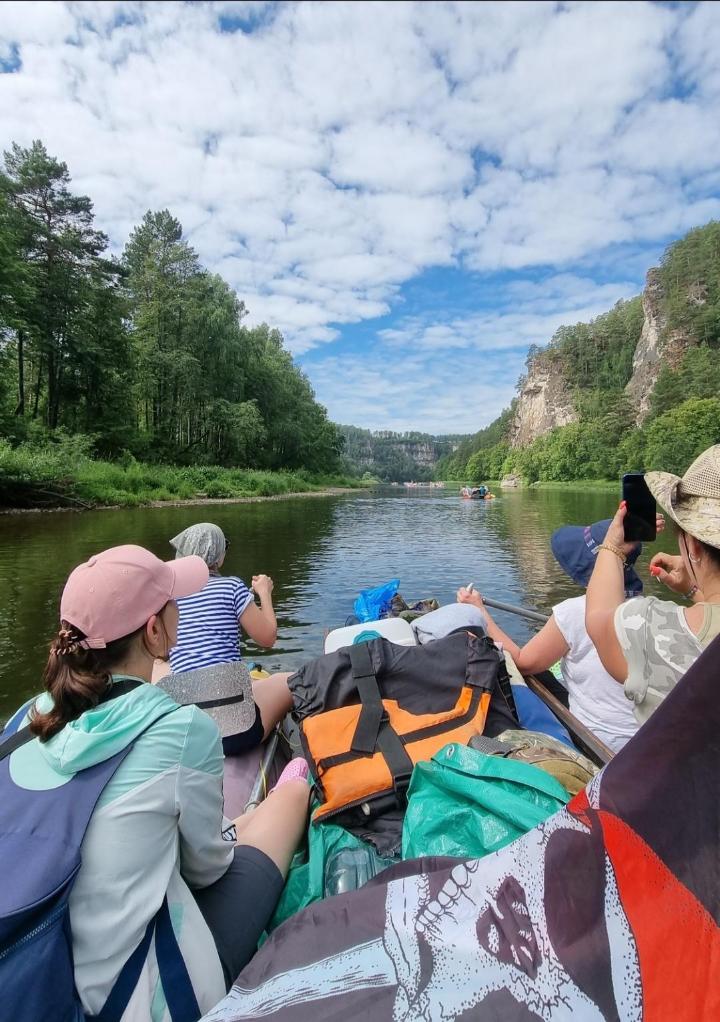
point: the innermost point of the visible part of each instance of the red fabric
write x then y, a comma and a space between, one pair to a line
675, 935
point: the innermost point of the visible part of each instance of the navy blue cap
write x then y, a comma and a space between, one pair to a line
575, 548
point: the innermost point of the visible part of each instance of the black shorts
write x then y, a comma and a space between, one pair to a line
246, 741
238, 907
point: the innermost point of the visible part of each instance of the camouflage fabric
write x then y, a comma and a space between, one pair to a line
659, 648
411, 611
693, 500
566, 765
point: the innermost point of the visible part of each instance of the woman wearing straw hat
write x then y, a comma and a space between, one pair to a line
648, 644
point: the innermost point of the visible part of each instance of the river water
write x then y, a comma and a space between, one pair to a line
320, 552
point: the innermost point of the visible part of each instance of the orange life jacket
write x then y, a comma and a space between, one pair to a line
365, 752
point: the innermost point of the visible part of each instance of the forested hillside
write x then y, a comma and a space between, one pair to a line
599, 365
394, 457
145, 356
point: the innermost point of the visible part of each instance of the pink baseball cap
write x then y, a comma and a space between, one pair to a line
116, 592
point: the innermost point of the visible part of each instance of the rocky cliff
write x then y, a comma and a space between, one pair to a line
395, 456
544, 401
547, 400
657, 344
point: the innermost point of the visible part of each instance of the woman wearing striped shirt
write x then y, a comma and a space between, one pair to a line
211, 623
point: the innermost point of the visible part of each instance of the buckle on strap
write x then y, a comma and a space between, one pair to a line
401, 783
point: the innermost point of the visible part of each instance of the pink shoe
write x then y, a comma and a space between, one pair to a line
297, 769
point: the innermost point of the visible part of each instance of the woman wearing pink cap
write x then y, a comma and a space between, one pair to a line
157, 839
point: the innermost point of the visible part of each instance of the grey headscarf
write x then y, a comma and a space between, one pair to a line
204, 539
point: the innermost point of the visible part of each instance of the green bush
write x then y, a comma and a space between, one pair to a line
675, 439
62, 473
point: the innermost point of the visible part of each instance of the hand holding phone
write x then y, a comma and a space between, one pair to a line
640, 520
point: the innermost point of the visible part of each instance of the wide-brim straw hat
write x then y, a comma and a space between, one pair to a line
224, 691
692, 500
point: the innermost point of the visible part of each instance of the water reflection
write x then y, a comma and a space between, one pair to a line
320, 551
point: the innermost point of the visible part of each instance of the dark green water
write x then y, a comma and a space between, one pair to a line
320, 552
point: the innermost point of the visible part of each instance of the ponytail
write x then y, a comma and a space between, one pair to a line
76, 677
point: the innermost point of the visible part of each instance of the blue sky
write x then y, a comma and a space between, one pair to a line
412, 192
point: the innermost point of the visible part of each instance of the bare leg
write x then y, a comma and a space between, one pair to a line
272, 697
278, 823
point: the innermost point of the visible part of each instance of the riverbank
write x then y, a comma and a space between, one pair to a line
586, 485
330, 491
59, 478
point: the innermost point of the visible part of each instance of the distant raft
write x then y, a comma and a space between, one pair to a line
476, 493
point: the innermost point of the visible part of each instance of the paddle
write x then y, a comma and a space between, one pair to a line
531, 615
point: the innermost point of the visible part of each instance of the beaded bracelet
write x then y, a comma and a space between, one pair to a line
613, 550
690, 593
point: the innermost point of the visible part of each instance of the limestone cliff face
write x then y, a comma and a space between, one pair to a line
657, 345
544, 402
423, 454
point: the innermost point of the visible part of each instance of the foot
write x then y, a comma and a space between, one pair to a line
296, 770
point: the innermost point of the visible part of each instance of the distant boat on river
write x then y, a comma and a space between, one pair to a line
476, 493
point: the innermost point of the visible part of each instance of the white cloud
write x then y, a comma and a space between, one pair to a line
527, 312
455, 394
455, 374
321, 156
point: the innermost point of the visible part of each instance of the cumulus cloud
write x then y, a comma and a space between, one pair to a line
453, 374
454, 394
323, 156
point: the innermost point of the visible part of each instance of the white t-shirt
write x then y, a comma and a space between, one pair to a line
596, 699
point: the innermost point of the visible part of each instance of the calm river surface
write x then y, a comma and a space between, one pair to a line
320, 551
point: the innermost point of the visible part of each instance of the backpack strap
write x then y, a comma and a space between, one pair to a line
373, 732
24, 734
368, 726
503, 686
176, 983
177, 986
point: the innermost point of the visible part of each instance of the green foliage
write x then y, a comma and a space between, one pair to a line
690, 278
59, 470
697, 376
598, 450
676, 438
149, 356
457, 464
487, 463
394, 457
595, 360
598, 355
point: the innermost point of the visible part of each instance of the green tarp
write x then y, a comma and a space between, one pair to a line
460, 803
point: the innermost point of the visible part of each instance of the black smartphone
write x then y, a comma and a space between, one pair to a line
641, 509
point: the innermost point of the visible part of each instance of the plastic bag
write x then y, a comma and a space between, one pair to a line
351, 868
465, 804
371, 604
322, 869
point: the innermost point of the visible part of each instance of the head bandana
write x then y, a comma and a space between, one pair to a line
204, 539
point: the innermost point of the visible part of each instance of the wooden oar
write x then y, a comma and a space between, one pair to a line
260, 787
582, 736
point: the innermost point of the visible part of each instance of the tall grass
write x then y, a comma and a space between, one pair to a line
64, 475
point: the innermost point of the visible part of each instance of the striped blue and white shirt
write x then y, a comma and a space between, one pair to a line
208, 630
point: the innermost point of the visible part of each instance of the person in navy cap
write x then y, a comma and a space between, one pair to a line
595, 698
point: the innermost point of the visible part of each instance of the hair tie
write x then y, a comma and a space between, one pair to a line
67, 643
